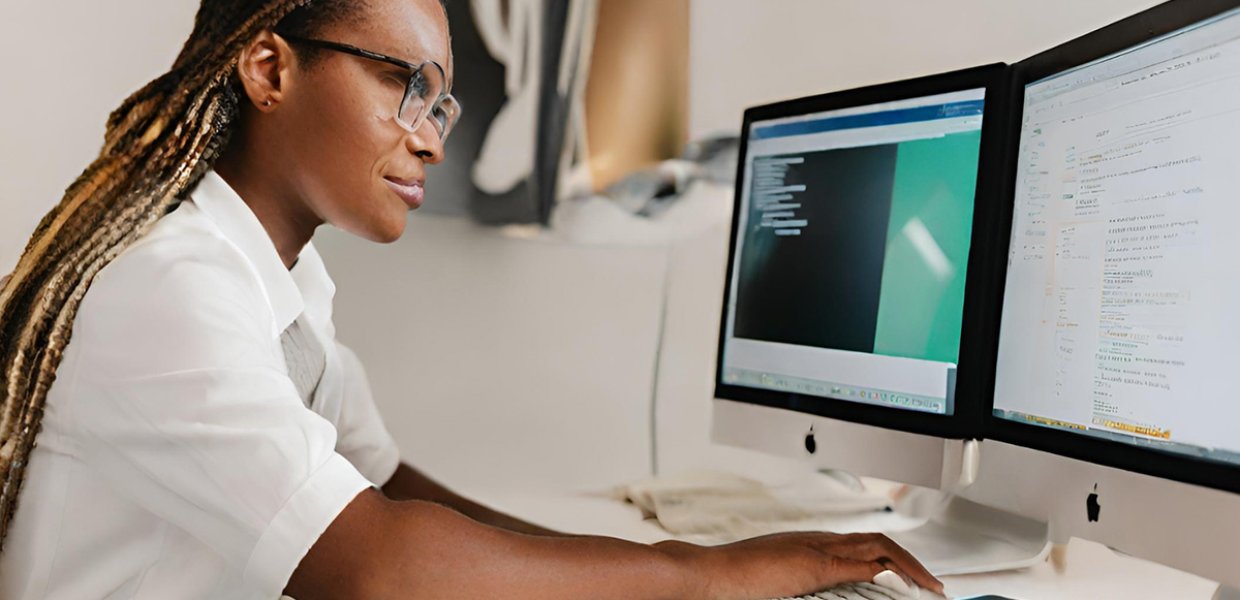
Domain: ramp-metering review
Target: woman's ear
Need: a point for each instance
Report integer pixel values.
(263, 69)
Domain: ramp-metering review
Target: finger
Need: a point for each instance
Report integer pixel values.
(876, 547)
(908, 564)
(894, 568)
(845, 570)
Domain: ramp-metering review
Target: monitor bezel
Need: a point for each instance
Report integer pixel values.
(1139, 28)
(973, 365)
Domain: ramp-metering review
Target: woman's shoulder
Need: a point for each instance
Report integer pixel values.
(183, 251)
(180, 270)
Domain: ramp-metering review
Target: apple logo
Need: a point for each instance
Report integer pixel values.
(811, 445)
(1092, 508)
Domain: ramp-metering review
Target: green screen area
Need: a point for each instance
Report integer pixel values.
(922, 301)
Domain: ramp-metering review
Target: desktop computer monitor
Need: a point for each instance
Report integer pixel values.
(851, 335)
(1114, 417)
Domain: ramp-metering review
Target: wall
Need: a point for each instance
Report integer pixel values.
(744, 52)
(502, 361)
(66, 65)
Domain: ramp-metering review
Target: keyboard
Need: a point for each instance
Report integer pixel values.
(886, 586)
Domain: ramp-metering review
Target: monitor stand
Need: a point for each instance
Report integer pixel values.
(965, 537)
(962, 537)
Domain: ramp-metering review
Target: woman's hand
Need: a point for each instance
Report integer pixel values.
(792, 564)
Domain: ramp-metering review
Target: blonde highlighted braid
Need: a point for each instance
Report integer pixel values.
(158, 144)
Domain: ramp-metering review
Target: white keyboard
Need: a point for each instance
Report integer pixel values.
(886, 586)
(857, 591)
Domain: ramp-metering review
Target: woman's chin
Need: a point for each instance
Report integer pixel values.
(383, 230)
(389, 234)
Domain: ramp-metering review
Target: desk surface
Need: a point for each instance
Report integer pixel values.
(1091, 571)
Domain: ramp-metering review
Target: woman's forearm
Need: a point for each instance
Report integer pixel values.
(410, 484)
(379, 548)
(383, 549)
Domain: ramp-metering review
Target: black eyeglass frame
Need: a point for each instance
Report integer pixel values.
(415, 73)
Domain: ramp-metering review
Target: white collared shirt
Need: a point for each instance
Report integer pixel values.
(177, 458)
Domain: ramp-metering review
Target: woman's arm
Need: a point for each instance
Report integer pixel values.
(378, 549)
(410, 484)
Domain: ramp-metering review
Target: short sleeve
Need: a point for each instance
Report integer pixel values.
(179, 402)
(363, 438)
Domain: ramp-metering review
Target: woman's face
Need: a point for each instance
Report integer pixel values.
(347, 158)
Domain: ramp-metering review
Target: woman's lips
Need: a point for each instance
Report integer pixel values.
(409, 190)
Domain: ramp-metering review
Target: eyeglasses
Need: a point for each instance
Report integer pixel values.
(425, 92)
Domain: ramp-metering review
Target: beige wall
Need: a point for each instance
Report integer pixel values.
(747, 52)
(64, 66)
(500, 361)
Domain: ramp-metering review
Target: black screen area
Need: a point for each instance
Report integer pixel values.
(817, 282)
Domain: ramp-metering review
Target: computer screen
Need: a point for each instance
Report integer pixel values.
(1123, 281)
(851, 252)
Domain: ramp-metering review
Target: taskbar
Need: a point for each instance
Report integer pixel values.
(836, 391)
(1146, 437)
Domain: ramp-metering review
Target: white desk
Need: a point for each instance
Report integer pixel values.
(1092, 572)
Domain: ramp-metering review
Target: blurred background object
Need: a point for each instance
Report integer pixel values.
(637, 98)
(537, 136)
(564, 97)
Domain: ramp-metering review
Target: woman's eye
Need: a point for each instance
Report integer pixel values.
(420, 85)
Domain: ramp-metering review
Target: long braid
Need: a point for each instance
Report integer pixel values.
(158, 145)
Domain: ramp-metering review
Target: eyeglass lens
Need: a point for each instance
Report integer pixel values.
(424, 97)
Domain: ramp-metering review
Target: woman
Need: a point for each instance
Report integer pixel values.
(204, 436)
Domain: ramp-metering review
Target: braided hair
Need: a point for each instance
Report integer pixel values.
(156, 148)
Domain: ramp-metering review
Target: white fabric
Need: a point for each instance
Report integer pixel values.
(305, 359)
(177, 459)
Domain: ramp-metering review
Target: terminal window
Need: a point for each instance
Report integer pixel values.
(861, 248)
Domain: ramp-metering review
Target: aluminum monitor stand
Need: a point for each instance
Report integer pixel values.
(958, 536)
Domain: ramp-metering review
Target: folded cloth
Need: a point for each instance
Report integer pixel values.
(729, 507)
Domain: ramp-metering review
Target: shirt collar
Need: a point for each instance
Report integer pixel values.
(306, 288)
